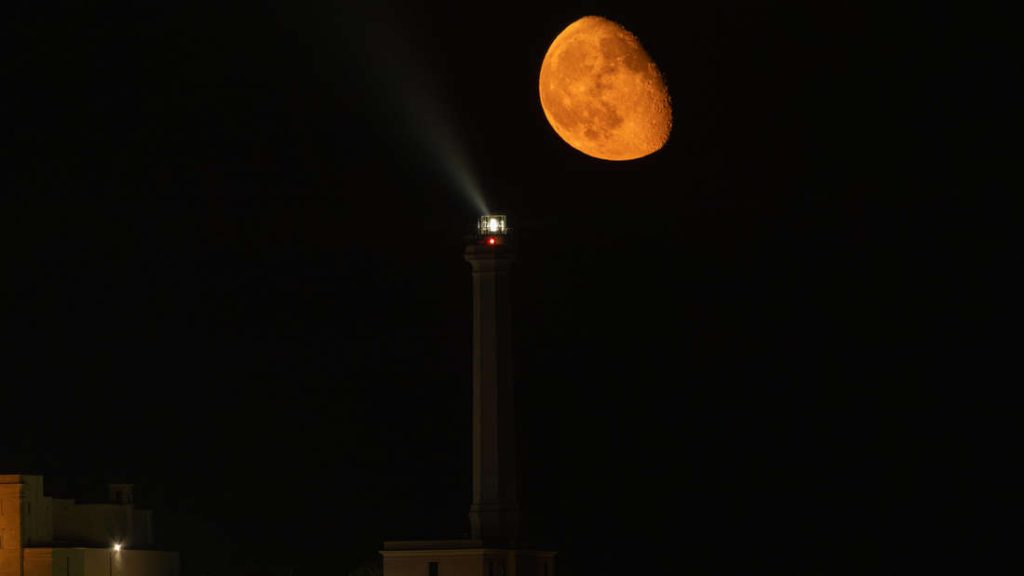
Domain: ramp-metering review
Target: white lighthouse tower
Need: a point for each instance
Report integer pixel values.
(494, 547)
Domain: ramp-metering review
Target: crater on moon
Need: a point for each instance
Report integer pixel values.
(602, 93)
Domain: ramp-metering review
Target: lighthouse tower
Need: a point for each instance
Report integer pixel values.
(494, 514)
(494, 547)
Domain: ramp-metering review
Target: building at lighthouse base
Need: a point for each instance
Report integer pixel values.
(463, 558)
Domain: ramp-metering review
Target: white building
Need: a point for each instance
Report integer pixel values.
(44, 536)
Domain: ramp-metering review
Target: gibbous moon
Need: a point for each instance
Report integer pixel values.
(602, 93)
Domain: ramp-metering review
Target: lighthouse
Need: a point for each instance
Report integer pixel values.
(494, 514)
(494, 547)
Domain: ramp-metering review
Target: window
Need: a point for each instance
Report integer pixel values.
(432, 569)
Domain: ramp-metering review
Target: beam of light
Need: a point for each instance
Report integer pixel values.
(457, 165)
(412, 91)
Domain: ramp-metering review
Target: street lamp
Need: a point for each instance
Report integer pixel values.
(110, 561)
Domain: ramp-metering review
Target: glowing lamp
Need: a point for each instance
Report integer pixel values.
(492, 224)
(117, 547)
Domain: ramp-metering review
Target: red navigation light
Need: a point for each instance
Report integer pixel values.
(492, 241)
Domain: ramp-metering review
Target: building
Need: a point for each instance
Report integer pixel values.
(495, 547)
(45, 536)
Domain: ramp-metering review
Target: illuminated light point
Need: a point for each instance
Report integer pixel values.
(117, 547)
(492, 224)
(491, 241)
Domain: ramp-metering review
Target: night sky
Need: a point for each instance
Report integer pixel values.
(233, 274)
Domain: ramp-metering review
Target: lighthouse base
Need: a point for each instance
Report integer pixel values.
(463, 558)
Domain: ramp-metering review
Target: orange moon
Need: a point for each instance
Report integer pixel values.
(602, 93)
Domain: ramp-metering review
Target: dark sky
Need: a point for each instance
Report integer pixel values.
(233, 275)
